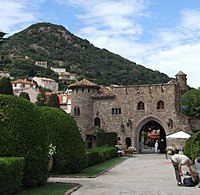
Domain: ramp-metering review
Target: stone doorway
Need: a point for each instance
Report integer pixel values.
(90, 141)
(149, 133)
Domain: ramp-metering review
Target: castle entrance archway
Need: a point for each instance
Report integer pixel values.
(149, 132)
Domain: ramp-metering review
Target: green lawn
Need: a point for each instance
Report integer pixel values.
(94, 170)
(60, 188)
(48, 189)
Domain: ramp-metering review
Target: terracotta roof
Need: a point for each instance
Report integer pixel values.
(83, 83)
(23, 82)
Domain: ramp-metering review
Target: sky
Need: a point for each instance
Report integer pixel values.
(162, 35)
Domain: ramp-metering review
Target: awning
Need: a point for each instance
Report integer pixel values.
(179, 134)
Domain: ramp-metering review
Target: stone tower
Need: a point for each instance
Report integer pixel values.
(82, 104)
(181, 79)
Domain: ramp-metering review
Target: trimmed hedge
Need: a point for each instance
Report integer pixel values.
(64, 134)
(23, 134)
(106, 138)
(99, 154)
(12, 171)
(192, 146)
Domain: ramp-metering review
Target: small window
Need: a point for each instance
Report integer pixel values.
(160, 105)
(116, 111)
(97, 122)
(76, 111)
(140, 106)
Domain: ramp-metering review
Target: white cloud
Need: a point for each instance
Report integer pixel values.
(190, 19)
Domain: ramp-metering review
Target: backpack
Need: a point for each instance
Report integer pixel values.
(188, 182)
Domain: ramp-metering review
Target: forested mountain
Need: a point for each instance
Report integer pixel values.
(60, 48)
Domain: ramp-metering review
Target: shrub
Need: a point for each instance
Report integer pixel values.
(12, 171)
(53, 101)
(64, 134)
(24, 95)
(99, 154)
(192, 146)
(106, 138)
(23, 134)
(6, 86)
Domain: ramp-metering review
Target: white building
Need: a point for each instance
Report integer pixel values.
(4, 73)
(20, 86)
(41, 64)
(46, 83)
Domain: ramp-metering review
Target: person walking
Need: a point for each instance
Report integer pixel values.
(179, 160)
(156, 147)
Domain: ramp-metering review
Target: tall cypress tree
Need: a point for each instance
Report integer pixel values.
(6, 86)
(53, 101)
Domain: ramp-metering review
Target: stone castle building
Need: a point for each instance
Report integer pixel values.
(130, 110)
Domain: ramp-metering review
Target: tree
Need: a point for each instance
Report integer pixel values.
(41, 99)
(53, 101)
(24, 95)
(6, 86)
(2, 34)
(191, 103)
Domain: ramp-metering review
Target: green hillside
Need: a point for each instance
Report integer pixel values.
(60, 48)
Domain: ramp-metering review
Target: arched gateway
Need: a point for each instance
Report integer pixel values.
(148, 131)
(130, 111)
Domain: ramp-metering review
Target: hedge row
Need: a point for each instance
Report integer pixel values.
(99, 154)
(106, 138)
(12, 172)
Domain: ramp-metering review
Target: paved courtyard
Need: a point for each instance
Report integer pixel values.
(143, 174)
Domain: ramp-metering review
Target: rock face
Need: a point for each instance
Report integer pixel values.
(129, 110)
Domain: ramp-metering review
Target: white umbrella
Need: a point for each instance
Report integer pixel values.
(179, 134)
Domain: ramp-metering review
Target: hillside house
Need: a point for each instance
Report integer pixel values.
(65, 77)
(46, 83)
(20, 86)
(4, 73)
(41, 64)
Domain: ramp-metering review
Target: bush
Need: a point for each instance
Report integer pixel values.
(65, 135)
(12, 171)
(106, 138)
(192, 146)
(99, 154)
(23, 134)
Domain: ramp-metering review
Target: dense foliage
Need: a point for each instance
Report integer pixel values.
(53, 101)
(23, 134)
(191, 103)
(106, 138)
(6, 86)
(192, 146)
(24, 95)
(64, 134)
(99, 154)
(60, 48)
(12, 172)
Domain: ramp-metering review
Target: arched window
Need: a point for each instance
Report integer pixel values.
(160, 105)
(76, 111)
(140, 106)
(97, 122)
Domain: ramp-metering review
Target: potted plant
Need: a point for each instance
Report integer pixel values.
(52, 151)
